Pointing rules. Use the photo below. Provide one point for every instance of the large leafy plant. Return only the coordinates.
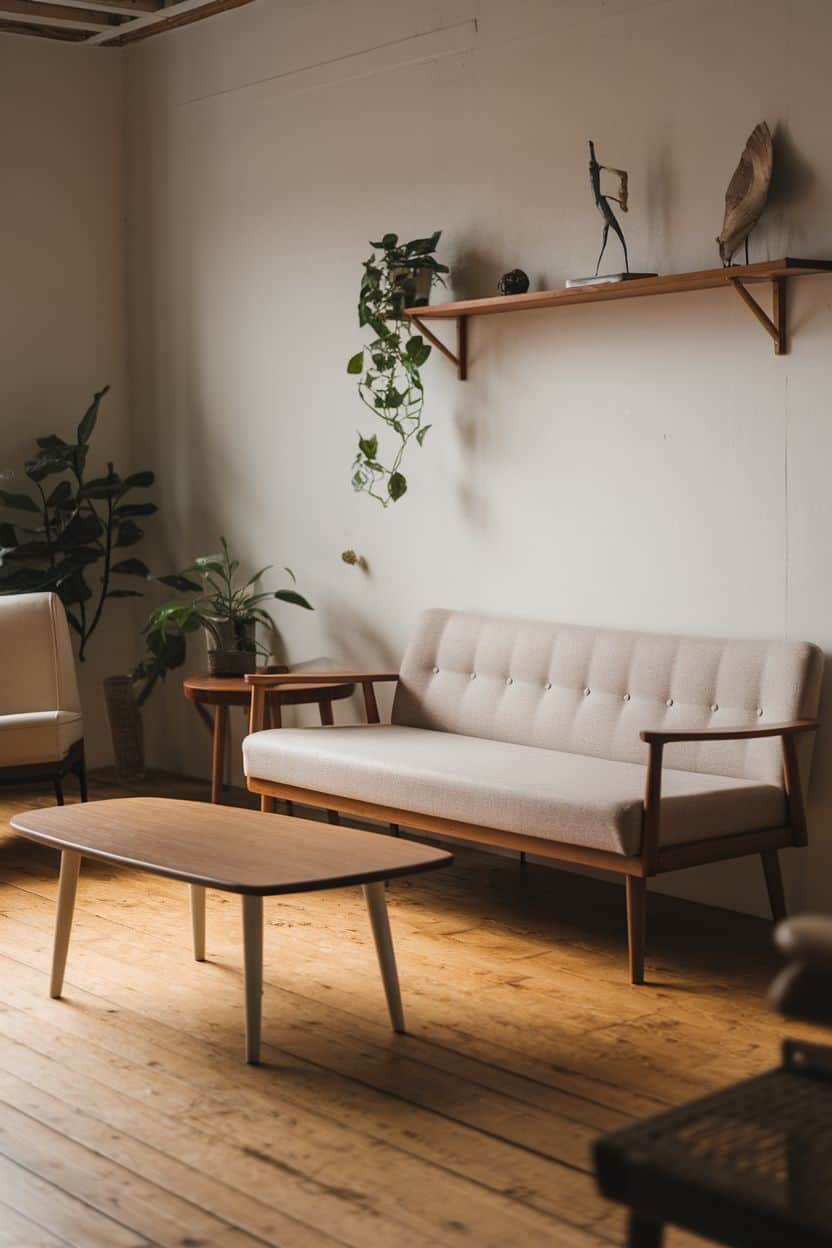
(74, 528)
(389, 369)
(224, 609)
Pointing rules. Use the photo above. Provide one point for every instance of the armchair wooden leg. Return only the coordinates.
(82, 779)
(636, 918)
(58, 785)
(774, 884)
(644, 1232)
(67, 885)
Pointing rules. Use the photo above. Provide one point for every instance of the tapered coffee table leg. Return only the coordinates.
(67, 885)
(253, 963)
(376, 899)
(197, 899)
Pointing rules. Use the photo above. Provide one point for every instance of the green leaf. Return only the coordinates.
(47, 463)
(61, 493)
(368, 447)
(128, 534)
(131, 567)
(387, 243)
(102, 487)
(139, 480)
(356, 363)
(396, 486)
(87, 423)
(175, 581)
(289, 595)
(20, 502)
(422, 434)
(135, 509)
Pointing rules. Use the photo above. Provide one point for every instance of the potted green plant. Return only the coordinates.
(227, 612)
(73, 527)
(389, 369)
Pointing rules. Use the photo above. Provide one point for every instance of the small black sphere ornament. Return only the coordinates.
(514, 283)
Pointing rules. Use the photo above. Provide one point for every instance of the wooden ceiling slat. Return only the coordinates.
(171, 22)
(52, 15)
(111, 23)
(68, 33)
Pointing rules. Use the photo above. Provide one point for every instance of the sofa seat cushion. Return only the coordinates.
(38, 736)
(573, 798)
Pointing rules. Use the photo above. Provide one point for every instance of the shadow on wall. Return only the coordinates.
(792, 181)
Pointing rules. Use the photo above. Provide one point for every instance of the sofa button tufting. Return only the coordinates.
(586, 693)
(714, 707)
(669, 702)
(436, 671)
(760, 711)
(626, 697)
(473, 676)
(548, 685)
(509, 681)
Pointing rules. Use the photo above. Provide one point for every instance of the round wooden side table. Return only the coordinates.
(221, 692)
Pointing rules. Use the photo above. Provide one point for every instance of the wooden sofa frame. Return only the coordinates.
(637, 869)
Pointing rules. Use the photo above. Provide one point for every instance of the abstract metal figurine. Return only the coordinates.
(603, 205)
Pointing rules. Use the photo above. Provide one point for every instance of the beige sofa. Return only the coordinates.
(550, 739)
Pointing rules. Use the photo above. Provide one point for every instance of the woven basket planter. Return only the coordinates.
(125, 727)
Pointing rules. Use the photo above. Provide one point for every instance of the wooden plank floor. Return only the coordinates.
(128, 1118)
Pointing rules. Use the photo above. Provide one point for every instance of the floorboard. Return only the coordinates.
(127, 1116)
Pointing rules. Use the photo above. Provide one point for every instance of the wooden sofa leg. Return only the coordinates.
(636, 908)
(774, 884)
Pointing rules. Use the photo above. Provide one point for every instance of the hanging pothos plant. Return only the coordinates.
(390, 381)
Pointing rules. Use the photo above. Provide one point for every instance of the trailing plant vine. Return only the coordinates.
(389, 368)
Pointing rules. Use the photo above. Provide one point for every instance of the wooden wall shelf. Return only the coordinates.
(775, 272)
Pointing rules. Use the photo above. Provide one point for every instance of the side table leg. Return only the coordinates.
(376, 899)
(197, 899)
(253, 964)
(67, 885)
(645, 1232)
(218, 756)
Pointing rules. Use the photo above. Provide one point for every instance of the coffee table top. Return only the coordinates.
(233, 691)
(222, 847)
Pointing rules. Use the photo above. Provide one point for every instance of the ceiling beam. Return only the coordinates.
(68, 33)
(55, 16)
(181, 13)
(122, 8)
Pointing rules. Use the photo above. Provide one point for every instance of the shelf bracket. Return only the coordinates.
(460, 360)
(775, 325)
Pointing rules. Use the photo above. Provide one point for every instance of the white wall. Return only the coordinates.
(62, 311)
(648, 464)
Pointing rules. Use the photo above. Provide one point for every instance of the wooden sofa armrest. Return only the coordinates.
(667, 736)
(658, 738)
(262, 682)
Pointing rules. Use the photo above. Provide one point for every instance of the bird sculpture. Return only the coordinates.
(603, 205)
(747, 193)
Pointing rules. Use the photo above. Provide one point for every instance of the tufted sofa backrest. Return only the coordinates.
(593, 690)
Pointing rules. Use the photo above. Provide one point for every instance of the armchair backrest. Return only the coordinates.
(37, 666)
(592, 690)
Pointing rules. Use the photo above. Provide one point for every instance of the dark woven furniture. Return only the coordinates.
(750, 1167)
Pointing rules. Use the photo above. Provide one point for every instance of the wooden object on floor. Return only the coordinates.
(739, 276)
(235, 851)
(110, 22)
(221, 692)
(748, 1167)
(653, 859)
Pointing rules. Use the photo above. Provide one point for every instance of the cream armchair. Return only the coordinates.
(41, 729)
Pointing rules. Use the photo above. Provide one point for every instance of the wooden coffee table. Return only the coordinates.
(236, 851)
(221, 692)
